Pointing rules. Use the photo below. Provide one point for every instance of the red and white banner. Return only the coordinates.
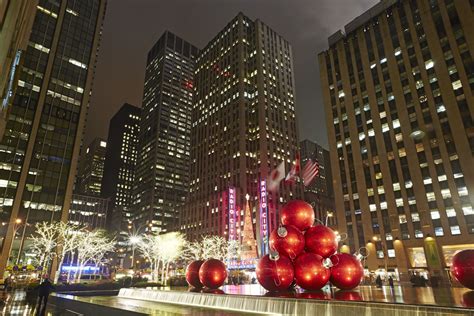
(275, 177)
(295, 170)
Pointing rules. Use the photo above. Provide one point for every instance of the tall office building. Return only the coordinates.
(88, 211)
(119, 169)
(121, 156)
(16, 20)
(244, 125)
(91, 168)
(162, 171)
(320, 193)
(38, 153)
(398, 94)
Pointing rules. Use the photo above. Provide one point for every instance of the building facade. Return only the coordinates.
(16, 20)
(319, 193)
(121, 156)
(244, 126)
(119, 172)
(91, 168)
(88, 211)
(162, 171)
(38, 153)
(398, 95)
(43, 133)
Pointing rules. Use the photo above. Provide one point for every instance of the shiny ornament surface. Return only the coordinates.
(275, 274)
(212, 273)
(347, 272)
(310, 273)
(468, 299)
(347, 296)
(321, 240)
(315, 295)
(192, 274)
(462, 267)
(297, 213)
(287, 240)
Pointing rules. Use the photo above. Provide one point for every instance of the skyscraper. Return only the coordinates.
(39, 150)
(16, 20)
(88, 211)
(162, 171)
(244, 125)
(320, 192)
(91, 168)
(397, 88)
(119, 169)
(121, 156)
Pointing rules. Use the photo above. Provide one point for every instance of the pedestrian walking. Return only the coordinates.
(44, 289)
(390, 281)
(378, 281)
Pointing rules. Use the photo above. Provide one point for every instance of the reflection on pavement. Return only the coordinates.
(17, 303)
(440, 296)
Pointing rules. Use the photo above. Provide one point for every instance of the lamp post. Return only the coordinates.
(384, 250)
(133, 241)
(328, 214)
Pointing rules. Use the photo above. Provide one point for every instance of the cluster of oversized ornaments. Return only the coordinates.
(306, 255)
(210, 274)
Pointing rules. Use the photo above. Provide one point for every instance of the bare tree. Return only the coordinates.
(43, 243)
(148, 247)
(92, 246)
(161, 251)
(67, 241)
(171, 246)
(212, 246)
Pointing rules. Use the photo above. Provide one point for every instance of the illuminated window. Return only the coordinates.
(439, 231)
(391, 253)
(455, 230)
(429, 64)
(402, 219)
(418, 234)
(435, 214)
(467, 210)
(450, 212)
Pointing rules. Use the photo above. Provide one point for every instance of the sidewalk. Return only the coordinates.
(15, 303)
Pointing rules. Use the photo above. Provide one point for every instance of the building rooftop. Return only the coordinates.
(362, 19)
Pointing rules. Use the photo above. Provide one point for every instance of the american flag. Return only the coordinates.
(310, 171)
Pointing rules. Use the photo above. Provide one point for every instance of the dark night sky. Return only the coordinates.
(131, 28)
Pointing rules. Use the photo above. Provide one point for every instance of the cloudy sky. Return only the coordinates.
(131, 28)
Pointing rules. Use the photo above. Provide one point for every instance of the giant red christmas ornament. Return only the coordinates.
(297, 213)
(346, 272)
(462, 267)
(287, 240)
(310, 273)
(192, 273)
(212, 273)
(321, 240)
(275, 272)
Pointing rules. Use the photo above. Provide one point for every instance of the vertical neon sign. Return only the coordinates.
(232, 215)
(263, 217)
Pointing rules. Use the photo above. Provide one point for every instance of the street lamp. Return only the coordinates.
(133, 240)
(328, 214)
